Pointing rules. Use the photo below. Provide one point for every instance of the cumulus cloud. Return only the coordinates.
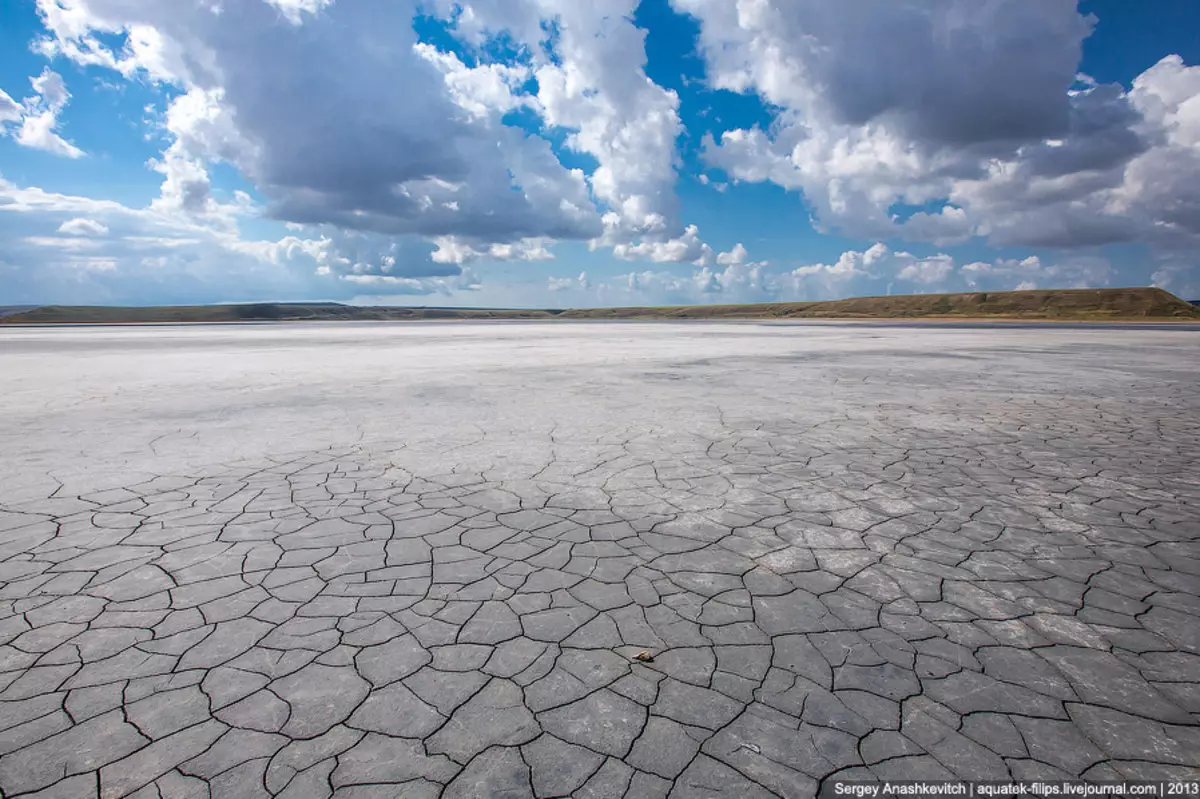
(1178, 278)
(294, 10)
(592, 82)
(720, 186)
(483, 90)
(882, 105)
(370, 129)
(1162, 185)
(686, 248)
(737, 255)
(851, 263)
(927, 271)
(397, 164)
(93, 251)
(875, 270)
(37, 116)
(367, 129)
(453, 250)
(82, 227)
(10, 110)
(1070, 271)
(466, 280)
(559, 284)
(662, 285)
(880, 269)
(740, 283)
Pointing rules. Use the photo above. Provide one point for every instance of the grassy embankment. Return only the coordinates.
(1079, 305)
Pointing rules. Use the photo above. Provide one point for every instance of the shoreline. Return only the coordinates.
(812, 320)
(1046, 306)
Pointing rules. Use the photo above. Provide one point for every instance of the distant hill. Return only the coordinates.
(1061, 304)
(257, 312)
(1129, 304)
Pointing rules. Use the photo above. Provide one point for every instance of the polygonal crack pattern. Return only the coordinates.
(1015, 598)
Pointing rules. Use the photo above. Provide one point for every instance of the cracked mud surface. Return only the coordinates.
(371, 561)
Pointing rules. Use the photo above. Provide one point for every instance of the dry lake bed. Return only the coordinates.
(594, 560)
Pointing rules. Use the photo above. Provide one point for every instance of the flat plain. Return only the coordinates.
(420, 560)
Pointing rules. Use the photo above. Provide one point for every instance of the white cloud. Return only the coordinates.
(737, 255)
(660, 285)
(466, 281)
(1070, 271)
(481, 91)
(10, 110)
(38, 116)
(927, 271)
(1181, 279)
(392, 164)
(294, 10)
(870, 272)
(687, 248)
(69, 249)
(1162, 185)
(851, 263)
(202, 130)
(50, 87)
(883, 104)
(62, 242)
(421, 123)
(718, 185)
(947, 226)
(37, 132)
(581, 283)
(452, 250)
(106, 252)
(367, 130)
(736, 283)
(592, 83)
(80, 226)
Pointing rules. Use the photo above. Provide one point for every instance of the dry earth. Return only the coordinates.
(413, 561)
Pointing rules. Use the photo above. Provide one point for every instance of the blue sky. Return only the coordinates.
(552, 153)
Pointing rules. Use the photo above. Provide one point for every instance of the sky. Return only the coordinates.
(556, 153)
